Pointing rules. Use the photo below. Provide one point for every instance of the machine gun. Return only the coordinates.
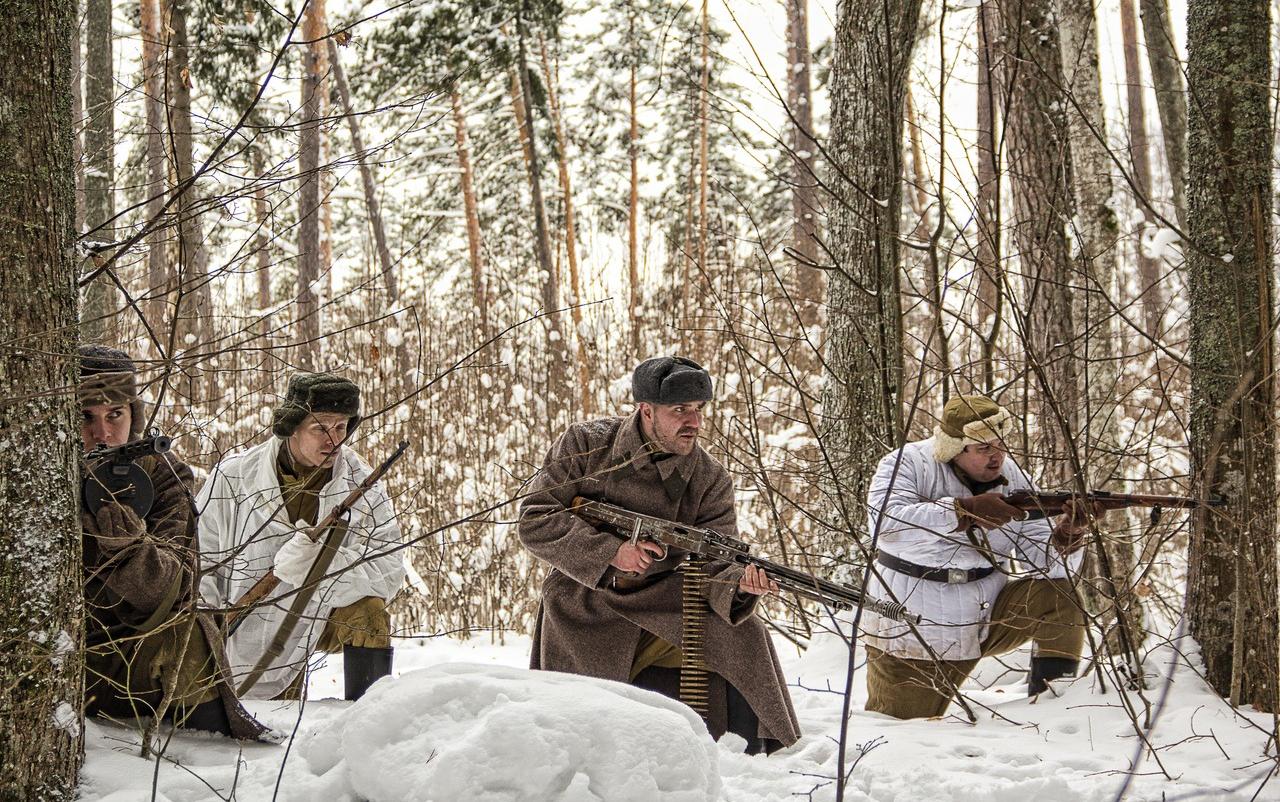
(114, 475)
(712, 545)
(1045, 505)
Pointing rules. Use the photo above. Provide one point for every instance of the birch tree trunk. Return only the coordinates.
(1140, 157)
(1171, 101)
(1231, 581)
(309, 255)
(1039, 165)
(862, 397)
(100, 145)
(41, 627)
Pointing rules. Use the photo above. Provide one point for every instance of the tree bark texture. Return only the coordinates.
(41, 627)
(1140, 157)
(809, 283)
(99, 152)
(158, 278)
(990, 272)
(633, 206)
(1231, 582)
(862, 397)
(1171, 101)
(308, 307)
(479, 288)
(1039, 167)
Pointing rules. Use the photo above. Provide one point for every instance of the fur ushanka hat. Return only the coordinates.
(316, 392)
(670, 380)
(109, 376)
(968, 420)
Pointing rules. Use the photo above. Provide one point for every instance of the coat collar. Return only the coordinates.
(630, 448)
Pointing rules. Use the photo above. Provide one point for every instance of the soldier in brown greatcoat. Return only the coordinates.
(613, 610)
(142, 633)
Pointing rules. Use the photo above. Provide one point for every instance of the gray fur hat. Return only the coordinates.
(670, 380)
(316, 392)
(109, 376)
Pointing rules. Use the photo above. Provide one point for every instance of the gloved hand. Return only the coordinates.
(1073, 525)
(295, 558)
(117, 527)
(987, 510)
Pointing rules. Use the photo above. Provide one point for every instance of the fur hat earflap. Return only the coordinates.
(968, 420)
(316, 392)
(109, 376)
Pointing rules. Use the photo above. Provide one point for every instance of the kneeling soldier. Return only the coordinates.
(614, 610)
(252, 513)
(142, 632)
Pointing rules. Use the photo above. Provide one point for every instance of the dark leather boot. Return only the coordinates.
(1044, 669)
(362, 666)
(208, 716)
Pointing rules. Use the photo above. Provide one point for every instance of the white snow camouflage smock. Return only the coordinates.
(916, 516)
(241, 527)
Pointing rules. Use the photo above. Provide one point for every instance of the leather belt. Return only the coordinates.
(952, 576)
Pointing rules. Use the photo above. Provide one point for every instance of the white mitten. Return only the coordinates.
(295, 558)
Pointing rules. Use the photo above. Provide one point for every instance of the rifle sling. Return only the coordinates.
(333, 537)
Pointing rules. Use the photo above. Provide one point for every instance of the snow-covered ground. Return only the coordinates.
(465, 721)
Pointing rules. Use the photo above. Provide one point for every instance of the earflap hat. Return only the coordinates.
(670, 380)
(309, 393)
(968, 420)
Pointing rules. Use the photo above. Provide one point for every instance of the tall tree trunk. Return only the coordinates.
(804, 153)
(1140, 158)
(1231, 581)
(990, 279)
(919, 198)
(100, 147)
(570, 232)
(479, 289)
(309, 255)
(1171, 102)
(366, 178)
(1107, 590)
(77, 116)
(194, 304)
(862, 398)
(158, 280)
(262, 242)
(704, 105)
(1039, 164)
(41, 627)
(633, 199)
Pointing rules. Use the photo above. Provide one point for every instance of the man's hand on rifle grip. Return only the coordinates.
(1073, 525)
(636, 559)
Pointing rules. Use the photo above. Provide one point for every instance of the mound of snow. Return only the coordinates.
(494, 734)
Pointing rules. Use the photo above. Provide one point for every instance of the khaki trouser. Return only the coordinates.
(365, 623)
(1044, 611)
(126, 677)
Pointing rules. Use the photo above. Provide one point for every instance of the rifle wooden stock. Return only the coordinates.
(712, 545)
(1045, 505)
(269, 582)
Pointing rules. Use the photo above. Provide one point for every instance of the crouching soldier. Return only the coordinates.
(142, 633)
(333, 592)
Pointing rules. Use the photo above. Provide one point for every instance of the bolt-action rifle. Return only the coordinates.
(1046, 505)
(712, 545)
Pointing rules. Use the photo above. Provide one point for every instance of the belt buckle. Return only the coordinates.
(957, 576)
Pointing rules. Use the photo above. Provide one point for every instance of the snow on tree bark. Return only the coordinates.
(1231, 582)
(40, 576)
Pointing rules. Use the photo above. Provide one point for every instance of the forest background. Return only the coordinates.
(487, 213)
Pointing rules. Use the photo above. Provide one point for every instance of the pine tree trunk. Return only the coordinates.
(262, 241)
(479, 289)
(633, 209)
(1149, 279)
(570, 233)
(1231, 581)
(100, 144)
(41, 627)
(366, 178)
(1171, 102)
(704, 272)
(989, 274)
(809, 284)
(1111, 573)
(309, 255)
(862, 399)
(194, 301)
(77, 116)
(158, 279)
(1039, 164)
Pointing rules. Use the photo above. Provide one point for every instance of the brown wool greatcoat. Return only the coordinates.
(139, 607)
(585, 625)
